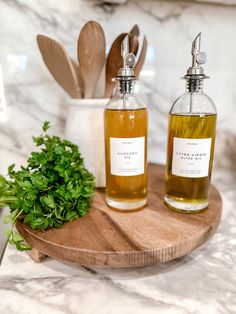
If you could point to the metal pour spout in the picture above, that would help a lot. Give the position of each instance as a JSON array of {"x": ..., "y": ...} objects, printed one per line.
[
  {"x": 198, "y": 58},
  {"x": 195, "y": 49},
  {"x": 128, "y": 59},
  {"x": 125, "y": 77},
  {"x": 125, "y": 48}
]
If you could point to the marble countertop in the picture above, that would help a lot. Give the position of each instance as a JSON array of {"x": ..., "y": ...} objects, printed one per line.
[{"x": 204, "y": 282}]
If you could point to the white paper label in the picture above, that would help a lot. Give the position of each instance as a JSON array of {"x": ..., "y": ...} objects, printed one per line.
[
  {"x": 127, "y": 156},
  {"x": 191, "y": 157}
]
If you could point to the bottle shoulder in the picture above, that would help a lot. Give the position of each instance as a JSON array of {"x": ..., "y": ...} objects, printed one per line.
[
  {"x": 193, "y": 103},
  {"x": 125, "y": 102}
]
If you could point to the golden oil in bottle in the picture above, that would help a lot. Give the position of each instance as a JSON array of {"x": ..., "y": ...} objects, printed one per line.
[
  {"x": 126, "y": 158},
  {"x": 191, "y": 139},
  {"x": 190, "y": 157},
  {"x": 125, "y": 128}
]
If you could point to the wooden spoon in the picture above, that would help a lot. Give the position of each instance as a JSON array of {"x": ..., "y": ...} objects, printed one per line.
[
  {"x": 91, "y": 55},
  {"x": 135, "y": 33},
  {"x": 115, "y": 61},
  {"x": 79, "y": 76},
  {"x": 139, "y": 64},
  {"x": 135, "y": 30},
  {"x": 59, "y": 64},
  {"x": 134, "y": 45}
]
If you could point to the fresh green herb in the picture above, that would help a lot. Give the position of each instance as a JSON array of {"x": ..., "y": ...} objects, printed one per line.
[{"x": 54, "y": 187}]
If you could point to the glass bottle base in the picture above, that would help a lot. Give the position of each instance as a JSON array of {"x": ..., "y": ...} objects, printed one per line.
[
  {"x": 186, "y": 207},
  {"x": 126, "y": 206}
]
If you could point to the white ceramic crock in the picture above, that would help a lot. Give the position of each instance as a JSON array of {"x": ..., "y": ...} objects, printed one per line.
[{"x": 84, "y": 127}]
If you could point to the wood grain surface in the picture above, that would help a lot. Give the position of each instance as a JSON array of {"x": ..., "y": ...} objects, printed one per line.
[
  {"x": 91, "y": 50},
  {"x": 108, "y": 238},
  {"x": 59, "y": 64}
]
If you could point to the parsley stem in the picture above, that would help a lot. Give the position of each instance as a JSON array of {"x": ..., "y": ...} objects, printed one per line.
[
  {"x": 14, "y": 219},
  {"x": 7, "y": 200}
]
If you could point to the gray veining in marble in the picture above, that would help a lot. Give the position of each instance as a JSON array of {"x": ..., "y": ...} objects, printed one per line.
[{"x": 203, "y": 282}]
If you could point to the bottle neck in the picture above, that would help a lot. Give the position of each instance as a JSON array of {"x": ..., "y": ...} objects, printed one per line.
[
  {"x": 194, "y": 85},
  {"x": 125, "y": 85}
]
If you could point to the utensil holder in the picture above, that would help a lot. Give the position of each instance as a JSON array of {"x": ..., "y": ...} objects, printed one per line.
[{"x": 84, "y": 127}]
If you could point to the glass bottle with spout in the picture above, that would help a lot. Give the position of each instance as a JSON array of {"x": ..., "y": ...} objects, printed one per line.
[
  {"x": 125, "y": 128},
  {"x": 191, "y": 139}
]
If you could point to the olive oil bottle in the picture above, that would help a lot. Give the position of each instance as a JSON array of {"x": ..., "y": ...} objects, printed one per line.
[
  {"x": 191, "y": 139},
  {"x": 125, "y": 128}
]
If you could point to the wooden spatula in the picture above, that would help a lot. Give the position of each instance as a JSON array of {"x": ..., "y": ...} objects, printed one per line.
[
  {"x": 139, "y": 64},
  {"x": 135, "y": 30},
  {"x": 115, "y": 61},
  {"x": 91, "y": 55},
  {"x": 59, "y": 64},
  {"x": 79, "y": 77},
  {"x": 134, "y": 45}
]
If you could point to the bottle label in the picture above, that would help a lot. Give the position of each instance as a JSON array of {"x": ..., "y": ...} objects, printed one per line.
[
  {"x": 127, "y": 156},
  {"x": 191, "y": 157}
]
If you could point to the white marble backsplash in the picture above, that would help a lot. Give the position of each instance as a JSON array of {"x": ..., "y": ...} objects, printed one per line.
[{"x": 33, "y": 95}]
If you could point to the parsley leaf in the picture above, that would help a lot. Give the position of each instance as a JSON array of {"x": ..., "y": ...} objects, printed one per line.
[
  {"x": 54, "y": 187},
  {"x": 46, "y": 126}
]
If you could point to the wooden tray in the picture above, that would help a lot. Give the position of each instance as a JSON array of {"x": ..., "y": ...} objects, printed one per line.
[{"x": 108, "y": 238}]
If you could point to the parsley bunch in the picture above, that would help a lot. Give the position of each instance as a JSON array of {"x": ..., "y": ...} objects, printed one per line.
[{"x": 52, "y": 189}]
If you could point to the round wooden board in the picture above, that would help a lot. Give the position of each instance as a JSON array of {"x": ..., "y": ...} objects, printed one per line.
[{"x": 108, "y": 238}]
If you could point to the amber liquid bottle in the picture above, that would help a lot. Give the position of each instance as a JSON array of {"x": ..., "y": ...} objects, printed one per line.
[
  {"x": 191, "y": 139},
  {"x": 125, "y": 128},
  {"x": 126, "y": 157}
]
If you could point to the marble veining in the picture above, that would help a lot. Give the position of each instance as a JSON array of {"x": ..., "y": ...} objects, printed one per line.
[{"x": 204, "y": 281}]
